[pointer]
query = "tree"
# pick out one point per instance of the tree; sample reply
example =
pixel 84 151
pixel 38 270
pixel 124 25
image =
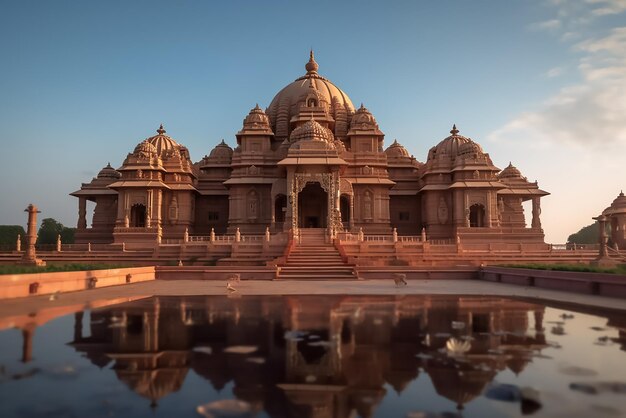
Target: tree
pixel 587 235
pixel 50 229
pixel 8 235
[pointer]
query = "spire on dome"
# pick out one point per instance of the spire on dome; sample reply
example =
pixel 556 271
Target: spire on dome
pixel 454 131
pixel 161 130
pixel 311 66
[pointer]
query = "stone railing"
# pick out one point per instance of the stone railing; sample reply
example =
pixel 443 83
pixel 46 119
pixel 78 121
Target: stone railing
pixel 349 237
pixel 574 247
pixel 134 229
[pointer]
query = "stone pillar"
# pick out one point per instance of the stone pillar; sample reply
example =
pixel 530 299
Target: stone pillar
pixel 82 213
pixel 603 238
pixel 30 256
pixel 351 223
pixel 159 204
pixel 536 221
pixel 603 259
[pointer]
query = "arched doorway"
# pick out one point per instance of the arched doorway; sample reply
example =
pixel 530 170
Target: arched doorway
pixel 344 206
pixel 312 206
pixel 138 215
pixel 280 207
pixel 477 216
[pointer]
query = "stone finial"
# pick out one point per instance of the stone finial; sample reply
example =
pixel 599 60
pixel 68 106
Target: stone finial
pixel 237 235
pixel 311 66
pixel 267 234
pixel 59 243
pixel 454 131
pixel 18 244
pixel 186 235
pixel 161 130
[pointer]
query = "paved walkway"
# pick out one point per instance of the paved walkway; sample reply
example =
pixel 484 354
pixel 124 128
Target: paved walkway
pixel 28 305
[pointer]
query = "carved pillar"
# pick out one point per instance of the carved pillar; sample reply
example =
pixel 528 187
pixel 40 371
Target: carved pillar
pixel 536 222
pixel 488 209
pixel 603 238
pixel 159 204
pixel 30 256
pixel 351 211
pixel 82 213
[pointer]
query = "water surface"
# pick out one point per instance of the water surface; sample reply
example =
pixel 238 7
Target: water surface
pixel 317 356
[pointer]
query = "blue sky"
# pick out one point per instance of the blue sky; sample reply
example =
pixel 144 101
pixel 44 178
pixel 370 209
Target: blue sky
pixel 538 83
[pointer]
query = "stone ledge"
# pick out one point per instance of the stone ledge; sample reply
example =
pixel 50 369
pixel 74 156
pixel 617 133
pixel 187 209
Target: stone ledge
pixel 21 285
pixel 602 284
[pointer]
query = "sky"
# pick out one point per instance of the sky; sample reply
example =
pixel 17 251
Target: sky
pixel 541 84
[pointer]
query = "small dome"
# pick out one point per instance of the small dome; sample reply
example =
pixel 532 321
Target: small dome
pixel 163 143
pixel 145 149
pixel 396 150
pixel 311 130
pixel 470 148
pixel 510 172
pixel 363 119
pixel 222 151
pixel 451 146
pixel 109 172
pixel 256 118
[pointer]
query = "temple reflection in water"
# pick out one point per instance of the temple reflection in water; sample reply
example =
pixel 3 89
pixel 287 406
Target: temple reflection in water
pixel 311 356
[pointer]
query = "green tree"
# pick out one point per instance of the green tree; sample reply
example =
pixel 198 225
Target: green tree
pixel 8 235
pixel 50 229
pixel 587 235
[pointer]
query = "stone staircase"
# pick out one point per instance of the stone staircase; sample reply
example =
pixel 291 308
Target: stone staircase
pixel 314 259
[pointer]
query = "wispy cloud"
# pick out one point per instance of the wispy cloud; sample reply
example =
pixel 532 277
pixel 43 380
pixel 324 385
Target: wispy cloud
pixel 551 24
pixel 607 7
pixel 555 72
pixel 592 113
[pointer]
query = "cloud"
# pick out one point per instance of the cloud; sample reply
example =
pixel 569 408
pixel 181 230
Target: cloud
pixel 607 7
pixel 554 72
pixel 590 114
pixel 551 24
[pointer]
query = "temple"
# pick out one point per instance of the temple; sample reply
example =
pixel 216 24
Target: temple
pixel 310 160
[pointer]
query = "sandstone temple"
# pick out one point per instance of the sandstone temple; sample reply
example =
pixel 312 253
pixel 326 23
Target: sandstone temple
pixel 310 161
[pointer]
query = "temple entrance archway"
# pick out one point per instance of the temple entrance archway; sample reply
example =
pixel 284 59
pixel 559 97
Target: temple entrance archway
pixel 138 216
pixel 477 216
pixel 312 206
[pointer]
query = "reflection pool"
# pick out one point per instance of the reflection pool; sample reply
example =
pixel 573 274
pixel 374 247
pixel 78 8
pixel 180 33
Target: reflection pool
pixel 316 356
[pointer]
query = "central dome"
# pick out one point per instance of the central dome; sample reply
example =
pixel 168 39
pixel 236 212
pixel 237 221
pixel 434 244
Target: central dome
pixel 287 102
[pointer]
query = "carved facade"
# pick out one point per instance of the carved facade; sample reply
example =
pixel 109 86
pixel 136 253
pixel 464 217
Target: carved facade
pixel 310 160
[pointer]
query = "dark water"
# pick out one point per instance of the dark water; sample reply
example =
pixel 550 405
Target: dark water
pixel 310 356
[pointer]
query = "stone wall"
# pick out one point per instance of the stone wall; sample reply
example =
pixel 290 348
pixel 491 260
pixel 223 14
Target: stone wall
pixel 21 285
